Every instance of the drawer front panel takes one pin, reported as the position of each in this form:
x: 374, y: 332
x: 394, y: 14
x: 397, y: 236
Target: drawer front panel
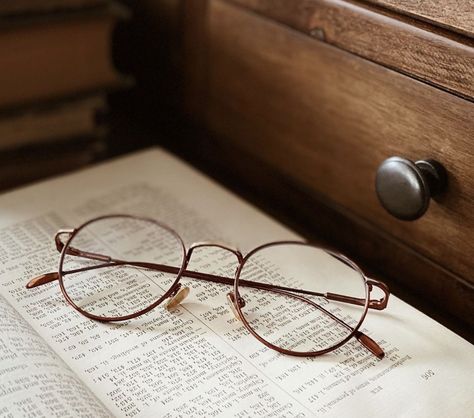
x: 440, y: 58
x: 328, y: 119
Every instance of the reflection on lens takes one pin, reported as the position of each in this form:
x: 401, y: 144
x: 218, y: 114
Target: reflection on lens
x: 107, y: 289
x: 296, y: 321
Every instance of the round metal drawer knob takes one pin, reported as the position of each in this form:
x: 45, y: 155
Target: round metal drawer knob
x: 404, y: 187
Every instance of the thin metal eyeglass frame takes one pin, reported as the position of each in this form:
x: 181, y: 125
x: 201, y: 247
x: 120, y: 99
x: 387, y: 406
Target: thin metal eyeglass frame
x: 235, y: 298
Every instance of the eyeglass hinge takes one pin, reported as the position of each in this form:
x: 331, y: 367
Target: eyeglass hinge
x: 381, y: 303
x: 57, y: 237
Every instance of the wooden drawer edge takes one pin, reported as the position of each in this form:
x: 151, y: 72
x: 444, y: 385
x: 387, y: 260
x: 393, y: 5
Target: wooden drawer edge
x: 403, y: 45
x: 455, y: 15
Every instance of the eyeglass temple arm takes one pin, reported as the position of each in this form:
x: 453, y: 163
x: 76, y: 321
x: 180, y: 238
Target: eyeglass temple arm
x: 364, y: 339
x: 378, y: 304
x: 49, y: 277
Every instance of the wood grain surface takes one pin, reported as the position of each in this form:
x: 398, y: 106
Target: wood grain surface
x: 456, y: 15
x: 439, y: 58
x: 327, y: 119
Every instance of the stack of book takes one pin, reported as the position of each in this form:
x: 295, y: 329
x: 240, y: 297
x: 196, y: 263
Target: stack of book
x: 55, y: 70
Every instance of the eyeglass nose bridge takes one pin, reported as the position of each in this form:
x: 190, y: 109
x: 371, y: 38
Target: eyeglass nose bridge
x: 232, y: 301
x: 202, y: 244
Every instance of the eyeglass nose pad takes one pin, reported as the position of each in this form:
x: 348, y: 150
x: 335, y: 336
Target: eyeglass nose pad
x: 177, y: 298
x: 232, y: 304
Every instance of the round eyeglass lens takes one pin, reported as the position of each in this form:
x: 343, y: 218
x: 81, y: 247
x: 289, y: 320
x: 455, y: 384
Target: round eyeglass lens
x: 326, y: 302
x: 106, y: 265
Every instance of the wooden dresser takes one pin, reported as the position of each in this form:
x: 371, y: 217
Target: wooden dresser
x: 305, y: 99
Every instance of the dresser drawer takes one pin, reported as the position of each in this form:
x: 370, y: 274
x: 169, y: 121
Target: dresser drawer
x: 328, y: 119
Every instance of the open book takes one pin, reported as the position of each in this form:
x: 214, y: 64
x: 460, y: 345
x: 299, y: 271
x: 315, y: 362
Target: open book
x: 198, y: 360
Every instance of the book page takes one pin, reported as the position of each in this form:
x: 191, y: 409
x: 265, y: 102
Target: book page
x: 199, y: 360
x: 34, y: 382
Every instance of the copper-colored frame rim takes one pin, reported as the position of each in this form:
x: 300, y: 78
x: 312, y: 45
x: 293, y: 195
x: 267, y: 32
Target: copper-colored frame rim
x: 136, y: 314
x: 242, y: 262
x: 335, y: 254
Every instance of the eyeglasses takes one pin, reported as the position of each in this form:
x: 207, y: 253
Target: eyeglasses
x: 294, y: 297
